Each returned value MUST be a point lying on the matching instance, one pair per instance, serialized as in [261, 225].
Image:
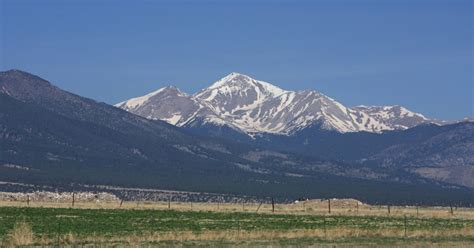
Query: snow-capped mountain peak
[237, 80]
[137, 101]
[395, 116]
[239, 84]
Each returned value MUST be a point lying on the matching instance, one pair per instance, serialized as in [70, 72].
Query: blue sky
[418, 54]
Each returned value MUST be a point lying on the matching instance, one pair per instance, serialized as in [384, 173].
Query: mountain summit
[251, 106]
[240, 86]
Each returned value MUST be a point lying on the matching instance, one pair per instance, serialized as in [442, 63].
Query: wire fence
[169, 220]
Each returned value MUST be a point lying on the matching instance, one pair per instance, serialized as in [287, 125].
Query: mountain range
[306, 122]
[239, 136]
[253, 107]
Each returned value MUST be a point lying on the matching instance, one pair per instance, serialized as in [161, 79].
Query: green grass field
[74, 226]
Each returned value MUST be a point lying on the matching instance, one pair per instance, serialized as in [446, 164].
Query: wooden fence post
[73, 198]
[259, 206]
[273, 206]
[388, 208]
[27, 200]
[169, 202]
[121, 202]
[329, 205]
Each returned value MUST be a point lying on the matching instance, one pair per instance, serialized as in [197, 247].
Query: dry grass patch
[20, 235]
[333, 234]
[312, 207]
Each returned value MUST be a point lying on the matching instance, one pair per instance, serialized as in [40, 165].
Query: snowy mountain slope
[293, 111]
[168, 104]
[252, 106]
[173, 106]
[395, 116]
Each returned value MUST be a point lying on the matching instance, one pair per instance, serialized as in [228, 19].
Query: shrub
[20, 235]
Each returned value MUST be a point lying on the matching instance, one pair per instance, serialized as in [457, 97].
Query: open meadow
[302, 224]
